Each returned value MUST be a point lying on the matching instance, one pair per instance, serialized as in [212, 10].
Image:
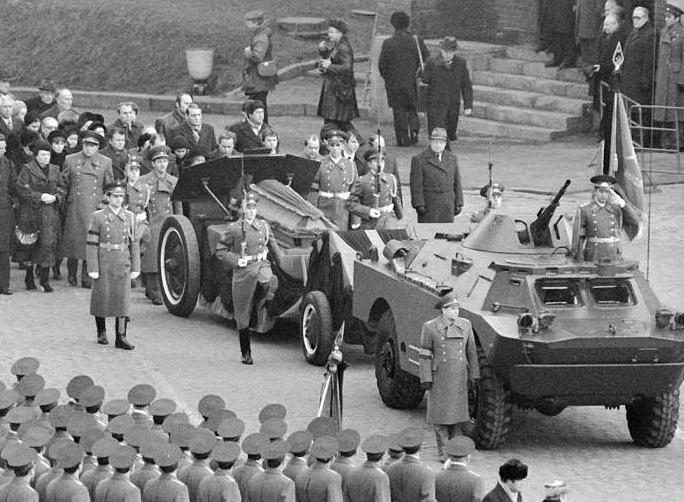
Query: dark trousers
[4, 269]
[406, 124]
[260, 96]
[562, 45]
[245, 342]
[446, 116]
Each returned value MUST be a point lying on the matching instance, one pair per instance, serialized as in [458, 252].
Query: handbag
[421, 87]
[267, 69]
[25, 238]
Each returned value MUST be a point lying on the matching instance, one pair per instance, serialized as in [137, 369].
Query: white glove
[374, 213]
[616, 199]
[94, 275]
[135, 275]
[47, 198]
[242, 262]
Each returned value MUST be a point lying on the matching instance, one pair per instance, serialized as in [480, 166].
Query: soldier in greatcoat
[368, 482]
[66, 487]
[118, 488]
[160, 185]
[271, 485]
[253, 446]
[410, 478]
[333, 181]
[319, 483]
[456, 481]
[300, 442]
[375, 197]
[436, 191]
[670, 77]
[84, 176]
[20, 461]
[255, 85]
[166, 487]
[136, 201]
[113, 255]
[448, 362]
[8, 191]
[244, 249]
[598, 225]
[221, 487]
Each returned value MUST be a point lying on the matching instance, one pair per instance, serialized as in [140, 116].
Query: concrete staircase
[517, 97]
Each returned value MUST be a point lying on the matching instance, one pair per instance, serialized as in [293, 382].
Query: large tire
[491, 407]
[398, 388]
[179, 265]
[316, 329]
[652, 421]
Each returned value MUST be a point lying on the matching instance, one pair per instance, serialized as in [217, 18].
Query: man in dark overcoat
[84, 176]
[175, 118]
[435, 182]
[45, 98]
[638, 69]
[127, 121]
[116, 151]
[200, 135]
[248, 131]
[507, 489]
[448, 362]
[244, 249]
[254, 85]
[10, 127]
[588, 16]
[448, 83]
[399, 60]
[557, 25]
[7, 192]
[113, 254]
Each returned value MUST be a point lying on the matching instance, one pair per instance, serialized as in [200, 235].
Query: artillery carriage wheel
[652, 421]
[316, 328]
[179, 265]
[491, 407]
[398, 388]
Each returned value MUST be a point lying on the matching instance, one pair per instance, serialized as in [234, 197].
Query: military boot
[245, 346]
[72, 268]
[121, 341]
[152, 289]
[57, 270]
[101, 331]
[28, 280]
[44, 278]
[85, 278]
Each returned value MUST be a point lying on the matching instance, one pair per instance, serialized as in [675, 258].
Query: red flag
[625, 167]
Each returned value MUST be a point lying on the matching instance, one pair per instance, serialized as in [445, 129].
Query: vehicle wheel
[491, 407]
[316, 328]
[179, 265]
[652, 421]
[398, 388]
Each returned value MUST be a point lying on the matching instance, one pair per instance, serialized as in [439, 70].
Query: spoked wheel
[179, 265]
[316, 328]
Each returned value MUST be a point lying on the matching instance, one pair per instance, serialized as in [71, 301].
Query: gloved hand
[47, 198]
[425, 385]
[242, 262]
[421, 210]
[457, 210]
[135, 275]
[94, 275]
[374, 213]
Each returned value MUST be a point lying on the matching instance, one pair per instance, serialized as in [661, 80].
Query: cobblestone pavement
[588, 447]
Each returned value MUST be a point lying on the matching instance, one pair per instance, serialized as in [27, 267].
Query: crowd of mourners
[87, 446]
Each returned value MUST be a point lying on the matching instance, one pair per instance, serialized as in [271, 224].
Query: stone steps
[527, 99]
[530, 84]
[475, 126]
[556, 121]
[535, 69]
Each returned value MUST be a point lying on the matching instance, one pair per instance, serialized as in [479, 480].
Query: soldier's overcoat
[669, 75]
[332, 187]
[159, 208]
[367, 483]
[411, 479]
[318, 483]
[383, 188]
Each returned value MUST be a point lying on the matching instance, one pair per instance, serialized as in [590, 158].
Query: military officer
[141, 396]
[455, 481]
[436, 190]
[272, 410]
[271, 485]
[115, 407]
[347, 442]
[244, 249]
[600, 221]
[101, 450]
[113, 258]
[148, 470]
[493, 192]
[375, 197]
[37, 437]
[136, 201]
[448, 362]
[299, 443]
[66, 487]
[394, 452]
[333, 181]
[410, 478]
[192, 475]
[160, 185]
[20, 459]
[253, 446]
[118, 488]
[368, 482]
[220, 486]
[166, 488]
[319, 483]
[160, 409]
[84, 176]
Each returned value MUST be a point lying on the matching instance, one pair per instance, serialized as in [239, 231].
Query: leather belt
[335, 195]
[113, 247]
[604, 240]
[257, 257]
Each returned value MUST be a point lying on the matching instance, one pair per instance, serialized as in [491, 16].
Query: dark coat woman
[337, 103]
[7, 190]
[39, 200]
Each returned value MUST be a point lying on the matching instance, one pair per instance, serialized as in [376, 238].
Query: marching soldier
[244, 249]
[333, 181]
[375, 197]
[271, 485]
[113, 257]
[368, 482]
[410, 478]
[456, 481]
[599, 223]
[160, 185]
[220, 486]
[119, 488]
[448, 361]
[20, 460]
[166, 487]
[319, 483]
